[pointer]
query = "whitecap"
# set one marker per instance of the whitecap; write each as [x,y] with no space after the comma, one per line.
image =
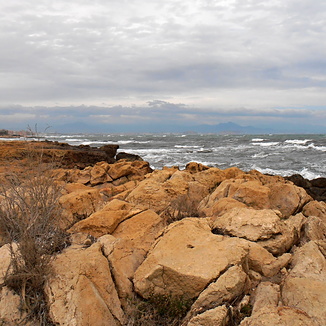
[260,155]
[257,139]
[318,148]
[309,174]
[268,144]
[297,141]
[186,146]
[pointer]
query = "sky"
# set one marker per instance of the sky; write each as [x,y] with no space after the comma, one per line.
[156,63]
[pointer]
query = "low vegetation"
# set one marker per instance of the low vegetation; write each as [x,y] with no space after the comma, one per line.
[30,218]
[158,310]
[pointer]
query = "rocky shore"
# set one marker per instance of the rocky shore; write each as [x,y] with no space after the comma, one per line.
[226,247]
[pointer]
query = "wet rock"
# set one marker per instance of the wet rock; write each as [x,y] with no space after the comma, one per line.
[128,157]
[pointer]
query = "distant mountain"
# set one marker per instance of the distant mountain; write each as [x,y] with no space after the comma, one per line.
[228,128]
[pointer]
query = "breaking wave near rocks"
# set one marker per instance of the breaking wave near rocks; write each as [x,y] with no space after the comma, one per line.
[273,154]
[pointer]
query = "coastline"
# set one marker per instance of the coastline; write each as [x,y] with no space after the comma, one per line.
[203,238]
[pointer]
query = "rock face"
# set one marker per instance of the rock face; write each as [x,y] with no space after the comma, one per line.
[305,286]
[186,259]
[241,248]
[315,188]
[83,291]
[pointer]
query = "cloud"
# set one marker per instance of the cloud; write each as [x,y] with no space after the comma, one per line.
[210,56]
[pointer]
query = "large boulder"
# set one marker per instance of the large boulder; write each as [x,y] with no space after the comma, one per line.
[268,312]
[289,235]
[281,196]
[186,258]
[80,204]
[82,291]
[230,285]
[249,223]
[214,317]
[129,169]
[11,313]
[305,286]
[262,261]
[265,226]
[106,220]
[128,246]
[315,208]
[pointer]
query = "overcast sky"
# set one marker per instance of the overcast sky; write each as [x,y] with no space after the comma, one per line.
[198,61]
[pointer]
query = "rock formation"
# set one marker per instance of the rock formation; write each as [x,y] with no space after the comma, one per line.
[241,248]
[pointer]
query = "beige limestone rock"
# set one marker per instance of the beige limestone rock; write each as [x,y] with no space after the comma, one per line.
[82,203]
[186,258]
[214,317]
[219,207]
[99,174]
[228,286]
[82,176]
[263,262]
[107,219]
[287,198]
[124,258]
[289,235]
[305,286]
[82,291]
[150,193]
[313,229]
[193,167]
[266,311]
[127,249]
[125,168]
[210,178]
[315,208]
[10,308]
[141,229]
[267,294]
[261,194]
[5,259]
[279,316]
[249,223]
[76,188]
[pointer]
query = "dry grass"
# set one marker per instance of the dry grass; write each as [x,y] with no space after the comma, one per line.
[158,310]
[181,207]
[30,222]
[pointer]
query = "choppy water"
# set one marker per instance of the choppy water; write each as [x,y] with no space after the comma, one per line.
[274,154]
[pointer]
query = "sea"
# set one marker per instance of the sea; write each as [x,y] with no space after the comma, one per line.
[274,154]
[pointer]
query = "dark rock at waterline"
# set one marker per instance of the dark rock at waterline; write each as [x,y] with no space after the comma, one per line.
[78,156]
[316,188]
[128,157]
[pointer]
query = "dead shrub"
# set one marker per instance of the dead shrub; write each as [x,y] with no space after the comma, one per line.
[158,310]
[181,207]
[30,218]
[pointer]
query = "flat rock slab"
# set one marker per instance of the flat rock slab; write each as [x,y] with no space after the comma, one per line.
[186,259]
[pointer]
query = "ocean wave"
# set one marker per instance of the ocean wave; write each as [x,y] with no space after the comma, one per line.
[297,141]
[308,174]
[268,144]
[305,172]
[186,146]
[257,139]
[260,155]
[318,148]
